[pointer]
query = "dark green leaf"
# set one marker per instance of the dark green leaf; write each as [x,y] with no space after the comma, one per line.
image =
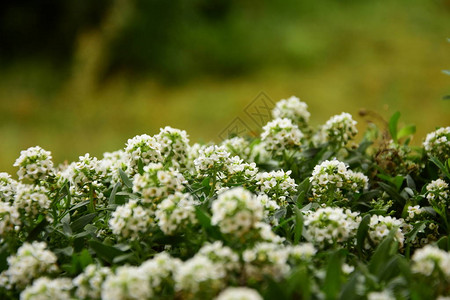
[298,225]
[393,125]
[112,197]
[79,223]
[105,252]
[441,166]
[333,277]
[125,179]
[382,254]
[361,235]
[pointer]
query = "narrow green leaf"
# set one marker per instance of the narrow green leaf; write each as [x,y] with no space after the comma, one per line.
[112,197]
[381,254]
[405,131]
[79,223]
[105,252]
[203,218]
[349,290]
[441,166]
[333,280]
[125,179]
[362,232]
[393,125]
[298,225]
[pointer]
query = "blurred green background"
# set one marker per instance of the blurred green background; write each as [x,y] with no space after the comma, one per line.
[84,76]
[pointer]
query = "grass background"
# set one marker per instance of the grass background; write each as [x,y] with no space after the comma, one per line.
[336,56]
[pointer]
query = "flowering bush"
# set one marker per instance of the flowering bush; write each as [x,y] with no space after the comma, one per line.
[297,213]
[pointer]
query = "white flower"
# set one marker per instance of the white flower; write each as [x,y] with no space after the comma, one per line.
[31,261]
[428,258]
[131,220]
[280,135]
[437,143]
[198,273]
[7,187]
[142,148]
[112,162]
[176,213]
[338,130]
[266,259]
[89,283]
[329,225]
[302,252]
[238,146]
[160,270]
[174,146]
[45,288]
[34,163]
[236,211]
[156,183]
[384,295]
[380,226]
[331,181]
[278,185]
[128,283]
[221,255]
[437,192]
[32,200]
[294,109]
[9,218]
[239,293]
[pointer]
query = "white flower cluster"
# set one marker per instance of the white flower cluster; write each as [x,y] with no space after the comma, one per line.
[437,143]
[294,109]
[266,259]
[338,130]
[303,252]
[330,225]
[222,255]
[236,211]
[86,174]
[383,295]
[278,185]
[236,172]
[45,288]
[414,213]
[89,283]
[160,270]
[142,148]
[211,159]
[157,183]
[174,146]
[112,162]
[332,180]
[32,200]
[270,206]
[131,220]
[34,164]
[380,226]
[437,193]
[127,283]
[281,134]
[7,187]
[31,261]
[199,274]
[9,218]
[239,293]
[238,146]
[176,213]
[429,258]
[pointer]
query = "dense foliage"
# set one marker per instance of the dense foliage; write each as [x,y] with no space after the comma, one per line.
[296,213]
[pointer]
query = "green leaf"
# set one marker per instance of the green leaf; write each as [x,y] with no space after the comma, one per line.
[298,225]
[79,223]
[105,252]
[362,232]
[349,290]
[417,228]
[393,125]
[382,254]
[444,243]
[125,179]
[203,218]
[333,280]
[298,284]
[112,197]
[405,131]
[441,166]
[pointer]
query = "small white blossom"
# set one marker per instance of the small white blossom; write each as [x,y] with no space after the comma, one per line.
[131,220]
[380,226]
[45,288]
[266,259]
[429,258]
[239,293]
[176,213]
[9,218]
[31,261]
[7,187]
[238,146]
[294,109]
[174,146]
[330,225]
[236,211]
[32,200]
[142,148]
[384,295]
[34,164]
[89,283]
[338,130]
[280,135]
[278,185]
[128,283]
[437,143]
[437,193]
[221,255]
